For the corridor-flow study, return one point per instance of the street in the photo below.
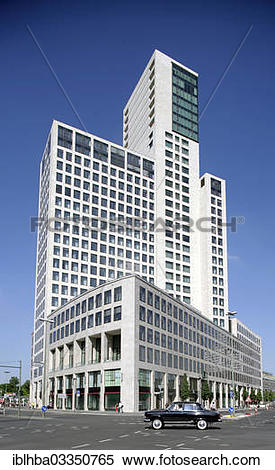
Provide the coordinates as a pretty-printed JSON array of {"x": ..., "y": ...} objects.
[{"x": 128, "y": 431}]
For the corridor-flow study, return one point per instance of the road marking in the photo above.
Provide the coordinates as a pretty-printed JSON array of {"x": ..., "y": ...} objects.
[
  {"x": 182, "y": 444},
  {"x": 137, "y": 432},
  {"x": 124, "y": 435},
  {"x": 161, "y": 445},
  {"x": 213, "y": 439},
  {"x": 105, "y": 440},
  {"x": 80, "y": 445},
  {"x": 198, "y": 439}
]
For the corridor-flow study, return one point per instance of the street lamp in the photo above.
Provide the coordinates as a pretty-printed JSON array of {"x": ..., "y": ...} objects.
[
  {"x": 6, "y": 387},
  {"x": 230, "y": 316}
]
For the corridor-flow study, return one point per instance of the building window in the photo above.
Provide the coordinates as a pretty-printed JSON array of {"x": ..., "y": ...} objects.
[
  {"x": 82, "y": 144},
  {"x": 142, "y": 353},
  {"x": 117, "y": 157},
  {"x": 65, "y": 137},
  {"x": 117, "y": 294},
  {"x": 100, "y": 150}
]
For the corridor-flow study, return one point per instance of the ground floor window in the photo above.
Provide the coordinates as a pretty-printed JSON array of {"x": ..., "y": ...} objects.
[
  {"x": 59, "y": 403},
  {"x": 93, "y": 400},
  {"x": 111, "y": 398},
  {"x": 79, "y": 399},
  {"x": 69, "y": 400},
  {"x": 144, "y": 399}
]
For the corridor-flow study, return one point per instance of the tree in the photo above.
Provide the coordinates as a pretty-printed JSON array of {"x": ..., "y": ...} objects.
[
  {"x": 185, "y": 390},
  {"x": 205, "y": 391},
  {"x": 266, "y": 395},
  {"x": 245, "y": 394},
  {"x": 13, "y": 385},
  {"x": 271, "y": 395},
  {"x": 259, "y": 396},
  {"x": 26, "y": 388},
  {"x": 237, "y": 394},
  {"x": 253, "y": 395}
]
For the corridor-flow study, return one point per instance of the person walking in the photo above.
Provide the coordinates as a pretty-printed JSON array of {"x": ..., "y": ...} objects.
[{"x": 120, "y": 407}]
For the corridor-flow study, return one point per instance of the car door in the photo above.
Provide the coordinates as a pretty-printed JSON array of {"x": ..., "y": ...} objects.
[
  {"x": 174, "y": 413},
  {"x": 188, "y": 412}
]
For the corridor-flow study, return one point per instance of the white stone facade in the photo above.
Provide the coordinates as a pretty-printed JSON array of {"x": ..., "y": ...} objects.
[{"x": 128, "y": 337}]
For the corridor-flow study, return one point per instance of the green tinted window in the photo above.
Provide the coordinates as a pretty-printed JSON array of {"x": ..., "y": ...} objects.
[{"x": 185, "y": 103}]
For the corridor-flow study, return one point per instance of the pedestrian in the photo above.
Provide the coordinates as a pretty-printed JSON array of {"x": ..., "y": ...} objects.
[
  {"x": 120, "y": 407},
  {"x": 116, "y": 408}
]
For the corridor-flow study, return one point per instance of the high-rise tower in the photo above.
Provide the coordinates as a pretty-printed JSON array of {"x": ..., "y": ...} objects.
[
  {"x": 107, "y": 210},
  {"x": 161, "y": 121}
]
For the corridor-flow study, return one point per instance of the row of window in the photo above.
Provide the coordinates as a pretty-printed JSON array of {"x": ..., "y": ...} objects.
[
  {"x": 154, "y": 356},
  {"x": 69, "y": 168},
  {"x": 86, "y": 185},
  {"x": 105, "y": 152},
  {"x": 94, "y": 319}
]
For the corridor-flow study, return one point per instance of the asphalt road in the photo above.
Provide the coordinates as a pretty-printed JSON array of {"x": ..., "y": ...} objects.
[{"x": 125, "y": 431}]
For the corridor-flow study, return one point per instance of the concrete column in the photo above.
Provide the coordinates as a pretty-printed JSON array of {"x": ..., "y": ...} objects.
[
  {"x": 104, "y": 347},
  {"x": 152, "y": 391},
  {"x": 226, "y": 396},
  {"x": 101, "y": 400},
  {"x": 199, "y": 385},
  {"x": 63, "y": 391},
  {"x": 165, "y": 390},
  {"x": 241, "y": 397},
  {"x": 88, "y": 350},
  {"x": 220, "y": 398},
  {"x": 74, "y": 392},
  {"x": 55, "y": 393},
  {"x": 86, "y": 392},
  {"x": 214, "y": 391}
]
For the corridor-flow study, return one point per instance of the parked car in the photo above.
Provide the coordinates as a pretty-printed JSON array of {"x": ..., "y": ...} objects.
[{"x": 182, "y": 412}]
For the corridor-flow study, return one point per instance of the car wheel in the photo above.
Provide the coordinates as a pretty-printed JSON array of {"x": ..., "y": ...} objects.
[
  {"x": 157, "y": 423},
  {"x": 202, "y": 424}
]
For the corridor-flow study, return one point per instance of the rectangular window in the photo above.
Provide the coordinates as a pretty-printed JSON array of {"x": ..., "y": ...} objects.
[
  {"x": 117, "y": 157},
  {"x": 65, "y": 137},
  {"x": 133, "y": 162},
  {"x": 100, "y": 151},
  {"x": 185, "y": 102},
  {"x": 117, "y": 294},
  {"x": 82, "y": 144},
  {"x": 117, "y": 313},
  {"x": 148, "y": 168},
  {"x": 107, "y": 315},
  {"x": 107, "y": 297},
  {"x": 142, "y": 294}
]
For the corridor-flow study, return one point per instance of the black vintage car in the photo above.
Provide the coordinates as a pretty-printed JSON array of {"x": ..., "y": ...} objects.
[{"x": 182, "y": 412}]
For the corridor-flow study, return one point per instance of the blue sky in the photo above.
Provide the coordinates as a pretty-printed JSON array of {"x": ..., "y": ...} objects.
[{"x": 98, "y": 50}]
